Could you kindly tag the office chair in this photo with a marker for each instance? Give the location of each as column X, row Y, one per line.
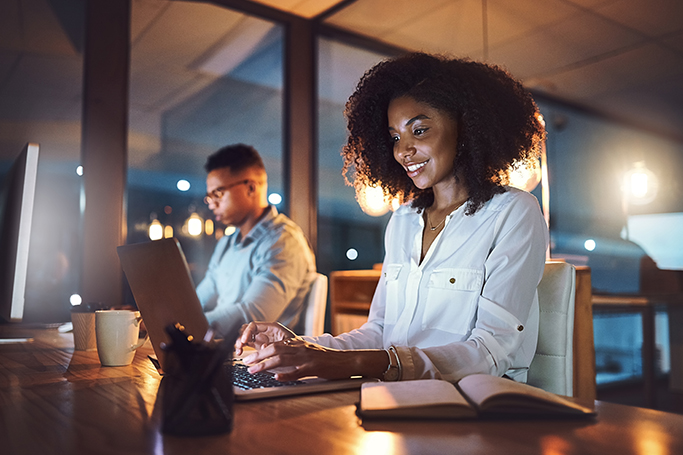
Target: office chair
column 314, row 323
column 551, row 367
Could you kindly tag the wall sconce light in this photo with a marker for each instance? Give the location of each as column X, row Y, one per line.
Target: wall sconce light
column 640, row 185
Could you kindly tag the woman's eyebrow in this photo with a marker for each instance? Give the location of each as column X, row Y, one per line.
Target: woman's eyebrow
column 412, row 120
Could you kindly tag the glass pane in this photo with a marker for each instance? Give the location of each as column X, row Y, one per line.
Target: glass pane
column 202, row 77
column 41, row 65
column 348, row 238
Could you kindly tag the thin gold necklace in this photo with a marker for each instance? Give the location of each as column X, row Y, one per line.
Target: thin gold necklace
column 434, row 228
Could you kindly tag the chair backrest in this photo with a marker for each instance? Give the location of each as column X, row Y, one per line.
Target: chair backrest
column 314, row 319
column 552, row 366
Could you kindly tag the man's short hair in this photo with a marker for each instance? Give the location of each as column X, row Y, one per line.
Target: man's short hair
column 237, row 157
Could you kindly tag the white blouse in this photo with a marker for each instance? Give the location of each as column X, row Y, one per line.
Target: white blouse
column 471, row 306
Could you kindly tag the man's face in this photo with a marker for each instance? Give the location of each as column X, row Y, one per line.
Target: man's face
column 229, row 196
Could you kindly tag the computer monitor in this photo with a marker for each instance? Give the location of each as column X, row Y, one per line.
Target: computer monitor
column 16, row 213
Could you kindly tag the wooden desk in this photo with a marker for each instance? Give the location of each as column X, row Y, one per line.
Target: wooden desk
column 57, row 401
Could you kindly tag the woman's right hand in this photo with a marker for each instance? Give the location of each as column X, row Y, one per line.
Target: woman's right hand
column 260, row 334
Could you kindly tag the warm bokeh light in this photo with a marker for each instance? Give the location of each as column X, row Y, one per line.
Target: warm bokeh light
column 554, row 445
column 156, row 230
column 381, row 443
column 195, row 225
column 653, row 439
column 168, row 231
column 208, row 227
column 374, row 201
column 75, row 299
column 640, row 184
column 229, row 230
column 525, row 178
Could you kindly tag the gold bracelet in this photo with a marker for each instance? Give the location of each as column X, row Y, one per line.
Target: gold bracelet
column 398, row 360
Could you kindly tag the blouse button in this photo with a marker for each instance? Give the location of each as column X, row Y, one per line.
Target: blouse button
column 452, row 280
column 520, row 328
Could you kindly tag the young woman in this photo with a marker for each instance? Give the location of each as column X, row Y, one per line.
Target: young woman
column 464, row 253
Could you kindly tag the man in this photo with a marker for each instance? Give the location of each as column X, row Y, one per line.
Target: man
column 264, row 270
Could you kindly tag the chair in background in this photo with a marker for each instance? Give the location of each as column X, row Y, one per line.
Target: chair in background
column 314, row 318
column 552, row 366
column 351, row 293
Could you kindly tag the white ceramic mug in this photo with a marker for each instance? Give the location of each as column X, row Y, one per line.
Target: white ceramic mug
column 118, row 334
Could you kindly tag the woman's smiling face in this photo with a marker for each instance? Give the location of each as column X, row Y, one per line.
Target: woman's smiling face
column 425, row 141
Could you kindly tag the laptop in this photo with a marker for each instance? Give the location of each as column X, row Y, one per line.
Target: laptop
column 164, row 292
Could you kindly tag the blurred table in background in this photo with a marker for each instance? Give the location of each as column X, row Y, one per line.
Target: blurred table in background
column 646, row 306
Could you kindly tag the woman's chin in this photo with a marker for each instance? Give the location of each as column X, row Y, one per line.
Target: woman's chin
column 421, row 184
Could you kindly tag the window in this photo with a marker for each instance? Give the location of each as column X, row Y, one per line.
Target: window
column 348, row 238
column 202, row 77
column 41, row 66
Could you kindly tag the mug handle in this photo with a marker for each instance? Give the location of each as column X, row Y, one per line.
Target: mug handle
column 139, row 343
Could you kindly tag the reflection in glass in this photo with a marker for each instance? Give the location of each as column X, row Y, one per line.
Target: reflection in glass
column 341, row 222
column 202, row 77
column 41, row 62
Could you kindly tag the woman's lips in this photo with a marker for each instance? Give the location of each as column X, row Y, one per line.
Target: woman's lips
column 415, row 169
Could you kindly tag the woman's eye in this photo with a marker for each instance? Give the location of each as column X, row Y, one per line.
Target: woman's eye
column 419, row 131
column 394, row 138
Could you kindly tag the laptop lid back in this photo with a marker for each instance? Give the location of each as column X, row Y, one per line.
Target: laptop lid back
column 163, row 289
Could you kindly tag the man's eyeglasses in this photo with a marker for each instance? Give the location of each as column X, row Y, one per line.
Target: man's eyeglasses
column 216, row 195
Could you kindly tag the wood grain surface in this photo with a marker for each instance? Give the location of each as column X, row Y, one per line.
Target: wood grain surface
column 57, row 401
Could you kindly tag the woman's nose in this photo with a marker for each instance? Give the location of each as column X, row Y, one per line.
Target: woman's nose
column 403, row 150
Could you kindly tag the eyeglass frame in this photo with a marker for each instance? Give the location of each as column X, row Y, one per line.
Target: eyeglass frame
column 216, row 195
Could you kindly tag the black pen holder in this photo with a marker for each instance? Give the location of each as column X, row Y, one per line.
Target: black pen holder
column 196, row 390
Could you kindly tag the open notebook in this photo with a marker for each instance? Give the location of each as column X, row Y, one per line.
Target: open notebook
column 162, row 286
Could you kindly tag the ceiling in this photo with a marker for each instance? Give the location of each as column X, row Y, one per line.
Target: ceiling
column 622, row 59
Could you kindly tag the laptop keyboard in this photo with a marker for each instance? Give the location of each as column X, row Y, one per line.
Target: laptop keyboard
column 244, row 380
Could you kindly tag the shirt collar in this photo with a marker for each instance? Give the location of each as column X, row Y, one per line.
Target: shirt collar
column 261, row 228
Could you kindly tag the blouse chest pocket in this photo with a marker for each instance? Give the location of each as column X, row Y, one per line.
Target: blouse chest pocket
column 391, row 273
column 452, row 299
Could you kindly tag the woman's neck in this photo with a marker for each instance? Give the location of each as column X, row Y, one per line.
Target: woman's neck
column 448, row 197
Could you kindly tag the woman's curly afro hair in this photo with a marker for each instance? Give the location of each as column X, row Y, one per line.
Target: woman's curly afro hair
column 497, row 121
